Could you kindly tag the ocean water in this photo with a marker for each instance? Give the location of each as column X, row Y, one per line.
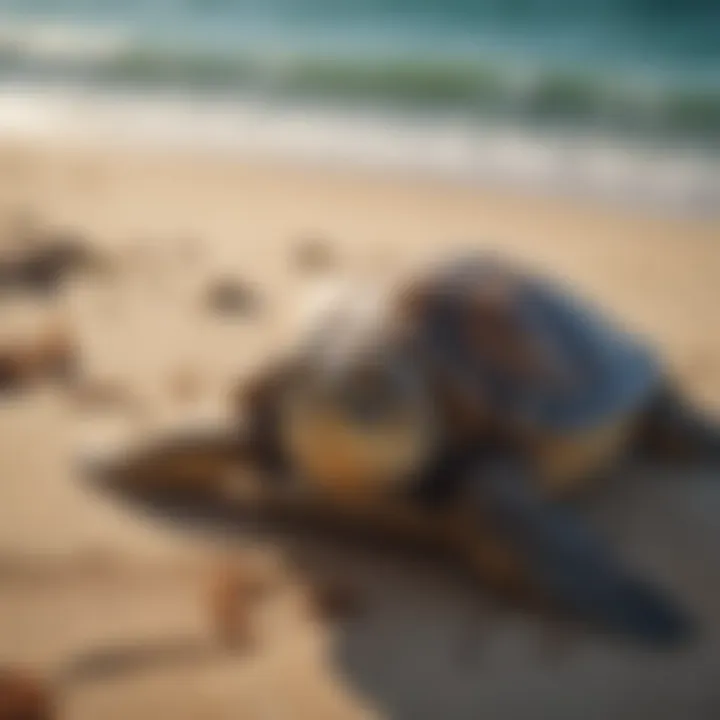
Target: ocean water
column 619, row 93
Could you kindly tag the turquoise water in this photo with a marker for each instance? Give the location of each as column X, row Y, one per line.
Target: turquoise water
column 631, row 67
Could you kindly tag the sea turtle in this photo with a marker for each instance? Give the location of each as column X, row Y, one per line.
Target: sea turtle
column 461, row 409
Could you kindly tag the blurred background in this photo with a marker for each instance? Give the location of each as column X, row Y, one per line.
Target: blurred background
column 176, row 175
column 619, row 97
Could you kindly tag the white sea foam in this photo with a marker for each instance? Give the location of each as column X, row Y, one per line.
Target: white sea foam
column 54, row 40
column 668, row 178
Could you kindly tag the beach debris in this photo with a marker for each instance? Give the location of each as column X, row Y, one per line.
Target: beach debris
column 25, row 696
column 236, row 588
column 232, row 296
column 314, row 254
column 50, row 354
column 41, row 260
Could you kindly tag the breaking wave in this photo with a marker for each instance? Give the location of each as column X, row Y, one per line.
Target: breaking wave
column 476, row 86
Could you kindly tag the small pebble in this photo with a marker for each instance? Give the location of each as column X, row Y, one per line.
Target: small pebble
column 24, row 696
column 235, row 590
column 231, row 296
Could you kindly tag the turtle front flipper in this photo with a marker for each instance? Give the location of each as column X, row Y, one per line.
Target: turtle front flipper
column 194, row 463
column 564, row 562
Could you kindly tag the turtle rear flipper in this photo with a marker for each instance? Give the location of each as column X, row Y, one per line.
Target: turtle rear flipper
column 567, row 564
column 675, row 430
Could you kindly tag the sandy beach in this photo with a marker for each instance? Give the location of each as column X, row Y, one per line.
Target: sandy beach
column 79, row 576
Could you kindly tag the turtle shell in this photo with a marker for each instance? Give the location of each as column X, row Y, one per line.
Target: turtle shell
column 530, row 350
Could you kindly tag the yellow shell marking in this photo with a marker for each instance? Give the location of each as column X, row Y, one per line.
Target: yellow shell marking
column 566, row 461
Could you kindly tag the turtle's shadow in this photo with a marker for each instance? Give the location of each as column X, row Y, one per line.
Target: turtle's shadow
column 411, row 654
column 428, row 646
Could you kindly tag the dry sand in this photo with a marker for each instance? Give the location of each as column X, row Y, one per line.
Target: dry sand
column 82, row 580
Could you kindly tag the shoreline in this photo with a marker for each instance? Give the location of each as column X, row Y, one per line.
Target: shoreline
column 570, row 167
